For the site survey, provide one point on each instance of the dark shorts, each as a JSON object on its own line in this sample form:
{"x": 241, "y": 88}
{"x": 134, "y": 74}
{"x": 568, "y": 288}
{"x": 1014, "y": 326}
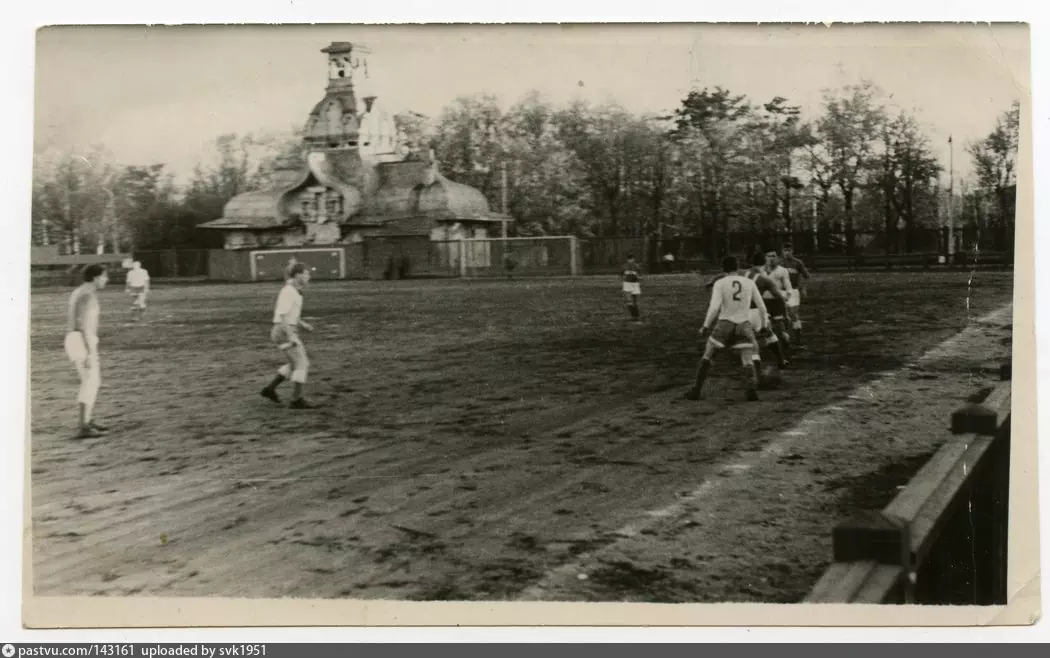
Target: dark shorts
{"x": 777, "y": 309}
{"x": 727, "y": 333}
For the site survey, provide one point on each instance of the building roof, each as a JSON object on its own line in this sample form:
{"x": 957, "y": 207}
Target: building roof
{"x": 448, "y": 198}
{"x": 250, "y": 210}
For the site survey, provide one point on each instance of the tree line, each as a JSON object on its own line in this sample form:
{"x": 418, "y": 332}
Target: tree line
{"x": 719, "y": 163}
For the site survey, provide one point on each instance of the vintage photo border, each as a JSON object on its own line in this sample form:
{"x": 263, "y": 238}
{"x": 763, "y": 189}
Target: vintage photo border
{"x": 1024, "y": 584}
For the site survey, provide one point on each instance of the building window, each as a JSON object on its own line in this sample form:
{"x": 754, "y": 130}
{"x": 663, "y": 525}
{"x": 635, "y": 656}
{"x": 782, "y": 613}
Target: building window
{"x": 334, "y": 205}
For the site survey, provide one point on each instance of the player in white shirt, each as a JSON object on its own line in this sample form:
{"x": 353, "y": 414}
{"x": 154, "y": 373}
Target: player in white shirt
{"x": 728, "y": 324}
{"x": 777, "y": 307}
{"x": 81, "y": 346}
{"x": 136, "y": 284}
{"x": 287, "y": 321}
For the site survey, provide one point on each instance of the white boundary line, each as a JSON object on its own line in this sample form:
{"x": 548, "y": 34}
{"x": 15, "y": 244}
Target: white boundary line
{"x": 777, "y": 447}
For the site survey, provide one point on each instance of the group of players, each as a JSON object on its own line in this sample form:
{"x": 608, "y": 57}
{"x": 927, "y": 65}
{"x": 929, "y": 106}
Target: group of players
{"x": 751, "y": 309}
{"x": 81, "y": 340}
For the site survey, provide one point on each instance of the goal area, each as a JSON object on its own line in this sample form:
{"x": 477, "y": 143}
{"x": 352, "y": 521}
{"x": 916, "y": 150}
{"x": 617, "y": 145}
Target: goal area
{"x": 516, "y": 257}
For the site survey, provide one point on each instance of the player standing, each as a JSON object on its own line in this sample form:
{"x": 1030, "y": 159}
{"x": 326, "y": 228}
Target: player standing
{"x": 285, "y": 334}
{"x": 632, "y": 286}
{"x": 728, "y": 321}
{"x": 796, "y": 273}
{"x": 137, "y": 285}
{"x": 81, "y": 346}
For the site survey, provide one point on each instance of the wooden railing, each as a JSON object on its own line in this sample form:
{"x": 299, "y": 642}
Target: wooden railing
{"x": 943, "y": 539}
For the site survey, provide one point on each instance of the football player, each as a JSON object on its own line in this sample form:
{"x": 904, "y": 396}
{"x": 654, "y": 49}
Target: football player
{"x": 777, "y": 306}
{"x": 797, "y": 272}
{"x": 287, "y": 321}
{"x": 81, "y": 346}
{"x": 770, "y": 289}
{"x": 728, "y": 322}
{"x": 632, "y": 286}
{"x": 137, "y": 285}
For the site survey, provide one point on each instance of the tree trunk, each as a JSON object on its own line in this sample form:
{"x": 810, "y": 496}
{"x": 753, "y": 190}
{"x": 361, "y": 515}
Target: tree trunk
{"x": 909, "y": 218}
{"x": 888, "y": 214}
{"x": 847, "y": 197}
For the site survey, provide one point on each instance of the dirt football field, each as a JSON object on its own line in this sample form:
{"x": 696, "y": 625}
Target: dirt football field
{"x": 490, "y": 440}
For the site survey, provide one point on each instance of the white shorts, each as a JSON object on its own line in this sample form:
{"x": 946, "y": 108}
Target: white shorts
{"x": 632, "y": 288}
{"x": 794, "y": 298}
{"x": 755, "y": 316}
{"x": 138, "y": 296}
{"x": 76, "y": 348}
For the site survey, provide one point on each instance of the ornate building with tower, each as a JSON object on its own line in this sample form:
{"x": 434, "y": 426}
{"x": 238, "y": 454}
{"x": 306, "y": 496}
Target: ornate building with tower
{"x": 359, "y": 181}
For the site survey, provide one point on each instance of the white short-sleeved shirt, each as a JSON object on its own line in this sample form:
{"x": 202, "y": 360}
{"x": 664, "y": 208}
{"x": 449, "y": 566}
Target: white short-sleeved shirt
{"x": 781, "y": 277}
{"x": 289, "y": 305}
{"x": 731, "y": 298}
{"x": 138, "y": 278}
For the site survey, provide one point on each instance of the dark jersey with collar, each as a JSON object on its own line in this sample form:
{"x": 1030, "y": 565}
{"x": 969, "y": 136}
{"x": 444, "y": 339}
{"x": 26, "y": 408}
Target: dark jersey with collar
{"x": 632, "y": 273}
{"x": 796, "y": 270}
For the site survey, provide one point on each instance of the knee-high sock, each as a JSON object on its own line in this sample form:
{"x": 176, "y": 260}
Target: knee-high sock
{"x": 701, "y": 373}
{"x": 751, "y": 375}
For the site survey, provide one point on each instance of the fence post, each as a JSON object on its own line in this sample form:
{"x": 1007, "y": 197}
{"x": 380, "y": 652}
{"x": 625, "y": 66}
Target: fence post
{"x": 574, "y": 256}
{"x": 463, "y": 258}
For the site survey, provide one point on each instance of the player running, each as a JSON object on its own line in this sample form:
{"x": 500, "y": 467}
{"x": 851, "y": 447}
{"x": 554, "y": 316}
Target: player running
{"x": 796, "y": 273}
{"x": 285, "y": 334}
{"x": 137, "y": 285}
{"x": 81, "y": 346}
{"x": 768, "y": 288}
{"x": 728, "y": 322}
{"x": 632, "y": 287}
{"x": 777, "y": 306}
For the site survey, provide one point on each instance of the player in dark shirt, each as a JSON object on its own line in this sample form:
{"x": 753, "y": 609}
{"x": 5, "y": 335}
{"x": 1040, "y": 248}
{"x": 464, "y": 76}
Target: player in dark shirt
{"x": 631, "y": 276}
{"x": 797, "y": 272}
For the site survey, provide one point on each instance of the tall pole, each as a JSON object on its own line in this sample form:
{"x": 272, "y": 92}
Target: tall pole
{"x": 503, "y": 195}
{"x": 951, "y": 196}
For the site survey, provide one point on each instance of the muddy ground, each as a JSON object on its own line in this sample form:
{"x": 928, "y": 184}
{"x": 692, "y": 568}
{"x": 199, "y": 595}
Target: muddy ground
{"x": 487, "y": 440}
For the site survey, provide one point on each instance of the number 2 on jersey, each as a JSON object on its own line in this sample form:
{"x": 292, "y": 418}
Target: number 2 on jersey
{"x": 737, "y": 289}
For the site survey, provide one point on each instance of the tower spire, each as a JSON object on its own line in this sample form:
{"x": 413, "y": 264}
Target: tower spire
{"x": 334, "y": 122}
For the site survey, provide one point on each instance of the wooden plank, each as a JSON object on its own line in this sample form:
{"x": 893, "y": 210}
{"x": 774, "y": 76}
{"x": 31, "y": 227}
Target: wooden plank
{"x": 856, "y": 582}
{"x": 880, "y": 586}
{"x": 907, "y": 504}
{"x": 927, "y": 502}
{"x": 985, "y": 417}
{"x": 871, "y": 535}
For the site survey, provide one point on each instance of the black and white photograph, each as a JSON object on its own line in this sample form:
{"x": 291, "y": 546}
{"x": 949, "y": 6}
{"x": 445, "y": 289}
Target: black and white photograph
{"x": 580, "y": 313}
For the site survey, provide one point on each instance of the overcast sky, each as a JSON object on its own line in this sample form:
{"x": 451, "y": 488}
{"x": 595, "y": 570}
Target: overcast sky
{"x": 161, "y": 95}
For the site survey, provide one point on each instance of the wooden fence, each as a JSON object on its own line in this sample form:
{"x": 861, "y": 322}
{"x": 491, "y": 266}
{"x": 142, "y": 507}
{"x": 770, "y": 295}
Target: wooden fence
{"x": 417, "y": 256}
{"x": 943, "y": 540}
{"x": 824, "y": 249}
